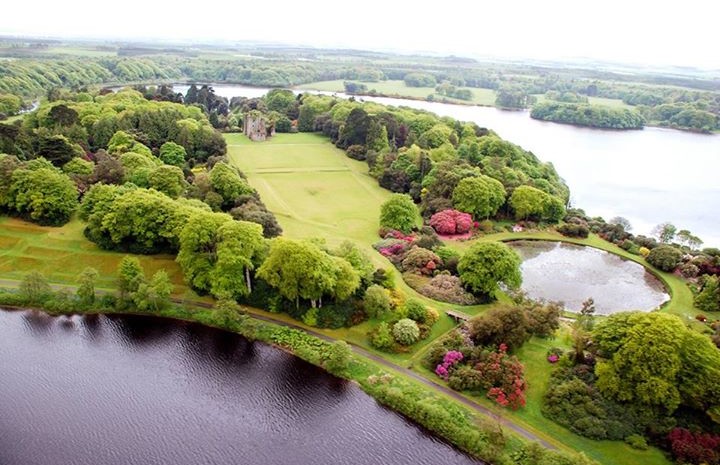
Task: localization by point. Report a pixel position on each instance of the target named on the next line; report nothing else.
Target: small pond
(571, 273)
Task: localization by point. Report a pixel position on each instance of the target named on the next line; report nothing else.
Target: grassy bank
(61, 253)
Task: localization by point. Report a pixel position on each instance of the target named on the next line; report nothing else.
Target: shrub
(416, 311)
(636, 442)
(688, 270)
(502, 375)
(406, 332)
(381, 337)
(694, 448)
(357, 152)
(338, 357)
(431, 316)
(451, 222)
(644, 252)
(399, 212)
(573, 230)
(421, 261)
(664, 257)
(500, 325)
(377, 301)
(447, 288)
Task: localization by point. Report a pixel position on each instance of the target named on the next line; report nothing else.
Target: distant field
(62, 253)
(70, 51)
(480, 96)
(610, 102)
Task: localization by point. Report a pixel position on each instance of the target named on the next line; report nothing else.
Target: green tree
(665, 232)
(78, 166)
(227, 182)
(358, 259)
(34, 287)
(654, 359)
(45, 195)
(338, 357)
(86, 285)
(480, 196)
(58, 149)
(298, 270)
(167, 179)
(399, 212)
(153, 295)
(377, 301)
(173, 154)
(240, 245)
(528, 202)
(486, 264)
(198, 249)
(129, 276)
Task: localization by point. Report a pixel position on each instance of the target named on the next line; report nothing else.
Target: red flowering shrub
(451, 222)
(696, 448)
(503, 377)
(418, 260)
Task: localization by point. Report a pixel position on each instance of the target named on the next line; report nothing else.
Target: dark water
(572, 273)
(143, 391)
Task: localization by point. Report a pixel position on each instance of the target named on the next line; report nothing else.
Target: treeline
(516, 86)
(582, 114)
(90, 122)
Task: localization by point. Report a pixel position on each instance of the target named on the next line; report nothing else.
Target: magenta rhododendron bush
(451, 222)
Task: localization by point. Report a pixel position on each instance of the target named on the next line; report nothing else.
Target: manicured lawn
(399, 89)
(62, 253)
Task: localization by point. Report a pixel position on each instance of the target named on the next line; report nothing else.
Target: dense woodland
(583, 114)
(679, 102)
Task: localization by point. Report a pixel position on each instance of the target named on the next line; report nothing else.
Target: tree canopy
(487, 264)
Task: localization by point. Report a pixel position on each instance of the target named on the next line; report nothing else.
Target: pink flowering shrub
(451, 358)
(451, 222)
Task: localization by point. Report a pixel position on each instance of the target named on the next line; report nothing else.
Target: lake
(647, 176)
(571, 273)
(122, 390)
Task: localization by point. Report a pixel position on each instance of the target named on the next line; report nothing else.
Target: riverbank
(439, 413)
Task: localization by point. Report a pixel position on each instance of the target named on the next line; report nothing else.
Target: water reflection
(571, 274)
(138, 390)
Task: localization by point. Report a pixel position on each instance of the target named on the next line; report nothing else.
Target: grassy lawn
(317, 191)
(608, 102)
(62, 253)
(399, 89)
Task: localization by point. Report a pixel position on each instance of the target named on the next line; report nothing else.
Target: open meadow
(484, 97)
(61, 253)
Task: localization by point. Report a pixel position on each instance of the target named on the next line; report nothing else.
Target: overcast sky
(634, 31)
